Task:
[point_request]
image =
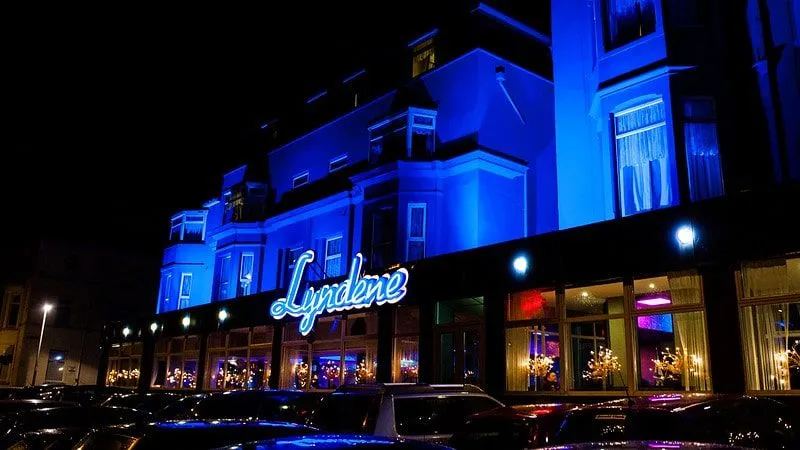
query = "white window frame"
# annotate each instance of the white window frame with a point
(167, 288)
(331, 258)
(185, 298)
(336, 160)
(244, 282)
(182, 224)
(300, 176)
(422, 239)
(223, 276)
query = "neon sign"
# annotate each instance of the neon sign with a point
(356, 292)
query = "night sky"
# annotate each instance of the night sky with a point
(116, 118)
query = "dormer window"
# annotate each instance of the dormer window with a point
(411, 134)
(188, 226)
(244, 202)
(423, 54)
(300, 180)
(338, 163)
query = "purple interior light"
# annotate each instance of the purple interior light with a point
(655, 301)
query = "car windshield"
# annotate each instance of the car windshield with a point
(347, 413)
(288, 406)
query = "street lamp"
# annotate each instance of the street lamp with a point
(46, 309)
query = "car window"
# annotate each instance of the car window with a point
(437, 415)
(347, 413)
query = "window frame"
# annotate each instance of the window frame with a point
(300, 176)
(167, 290)
(181, 225)
(748, 346)
(224, 276)
(670, 168)
(245, 284)
(713, 120)
(330, 258)
(181, 297)
(423, 239)
(601, 8)
(332, 163)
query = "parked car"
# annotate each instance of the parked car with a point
(722, 419)
(150, 402)
(281, 405)
(511, 427)
(644, 445)
(413, 411)
(191, 434)
(337, 442)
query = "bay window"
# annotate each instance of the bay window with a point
(702, 148)
(627, 21)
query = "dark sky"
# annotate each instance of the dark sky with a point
(115, 118)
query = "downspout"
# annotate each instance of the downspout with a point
(500, 74)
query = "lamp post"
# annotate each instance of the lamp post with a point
(46, 308)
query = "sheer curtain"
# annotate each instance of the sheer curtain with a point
(518, 348)
(761, 358)
(769, 278)
(690, 331)
(628, 20)
(702, 149)
(642, 158)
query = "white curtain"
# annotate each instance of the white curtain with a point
(770, 278)
(760, 329)
(642, 158)
(684, 288)
(690, 336)
(518, 348)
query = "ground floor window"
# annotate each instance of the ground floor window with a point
(340, 350)
(645, 334)
(124, 361)
(405, 364)
(56, 360)
(176, 363)
(239, 359)
(769, 292)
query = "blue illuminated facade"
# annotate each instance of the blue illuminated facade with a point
(538, 195)
(460, 157)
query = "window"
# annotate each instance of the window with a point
(406, 344)
(176, 362)
(300, 180)
(124, 364)
(423, 133)
(239, 359)
(14, 306)
(415, 243)
(6, 363)
(55, 366)
(333, 257)
(383, 236)
(245, 274)
(596, 325)
(291, 256)
(702, 149)
(343, 351)
(627, 21)
(424, 58)
(533, 349)
(770, 318)
(166, 291)
(185, 290)
(671, 344)
(224, 277)
(645, 170)
(338, 163)
(189, 226)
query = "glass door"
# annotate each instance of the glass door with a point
(459, 356)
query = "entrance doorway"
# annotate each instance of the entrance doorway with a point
(459, 341)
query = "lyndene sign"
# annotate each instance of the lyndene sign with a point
(356, 292)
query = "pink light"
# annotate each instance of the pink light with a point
(663, 446)
(665, 398)
(657, 301)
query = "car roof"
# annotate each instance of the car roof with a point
(408, 388)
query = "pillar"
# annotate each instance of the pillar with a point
(724, 332)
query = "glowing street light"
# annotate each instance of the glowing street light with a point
(126, 332)
(186, 321)
(46, 308)
(153, 327)
(685, 235)
(520, 264)
(223, 315)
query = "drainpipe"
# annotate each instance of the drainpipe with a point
(500, 74)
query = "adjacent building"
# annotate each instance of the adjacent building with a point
(81, 286)
(600, 208)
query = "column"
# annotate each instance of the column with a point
(426, 343)
(494, 348)
(724, 333)
(385, 345)
(202, 362)
(275, 363)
